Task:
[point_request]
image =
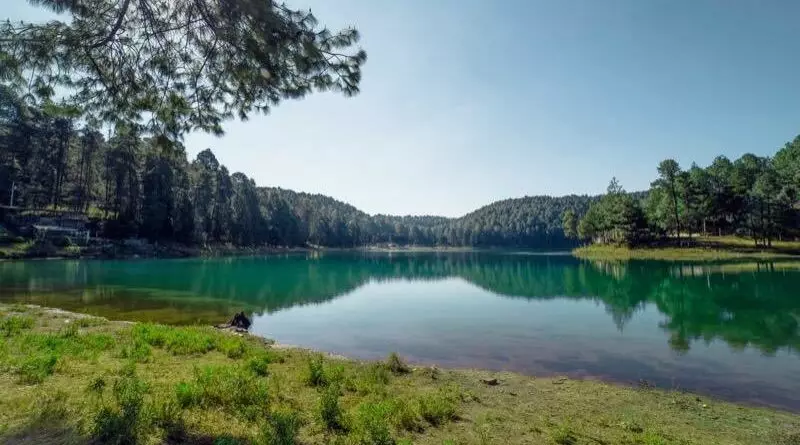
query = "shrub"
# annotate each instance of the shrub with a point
(396, 365)
(371, 425)
(35, 368)
(13, 325)
(329, 410)
(281, 428)
(404, 416)
(259, 364)
(437, 408)
(123, 422)
(315, 374)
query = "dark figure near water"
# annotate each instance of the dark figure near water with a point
(241, 321)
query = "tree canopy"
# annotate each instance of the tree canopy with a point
(174, 66)
(752, 196)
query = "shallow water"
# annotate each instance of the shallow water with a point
(729, 330)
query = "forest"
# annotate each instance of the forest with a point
(133, 186)
(752, 196)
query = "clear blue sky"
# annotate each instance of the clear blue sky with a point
(466, 102)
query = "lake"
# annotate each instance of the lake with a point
(728, 330)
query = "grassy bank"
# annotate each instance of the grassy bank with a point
(703, 249)
(67, 378)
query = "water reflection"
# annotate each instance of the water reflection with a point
(744, 304)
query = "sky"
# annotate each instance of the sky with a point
(467, 102)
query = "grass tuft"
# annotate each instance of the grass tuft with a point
(329, 410)
(563, 435)
(438, 408)
(315, 374)
(371, 424)
(36, 368)
(232, 388)
(14, 325)
(123, 421)
(282, 428)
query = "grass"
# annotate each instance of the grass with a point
(65, 381)
(706, 248)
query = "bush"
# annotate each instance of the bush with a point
(259, 364)
(123, 422)
(396, 365)
(371, 425)
(329, 410)
(13, 325)
(281, 428)
(315, 375)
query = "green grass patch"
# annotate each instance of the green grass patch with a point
(110, 382)
(703, 248)
(14, 325)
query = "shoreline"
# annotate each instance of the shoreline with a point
(121, 251)
(423, 404)
(716, 250)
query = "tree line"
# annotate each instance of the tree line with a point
(752, 196)
(136, 186)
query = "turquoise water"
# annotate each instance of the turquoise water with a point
(729, 330)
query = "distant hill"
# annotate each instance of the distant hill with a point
(529, 222)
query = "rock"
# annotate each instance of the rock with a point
(490, 382)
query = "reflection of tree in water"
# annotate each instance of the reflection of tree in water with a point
(744, 305)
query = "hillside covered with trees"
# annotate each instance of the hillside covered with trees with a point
(134, 186)
(752, 196)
